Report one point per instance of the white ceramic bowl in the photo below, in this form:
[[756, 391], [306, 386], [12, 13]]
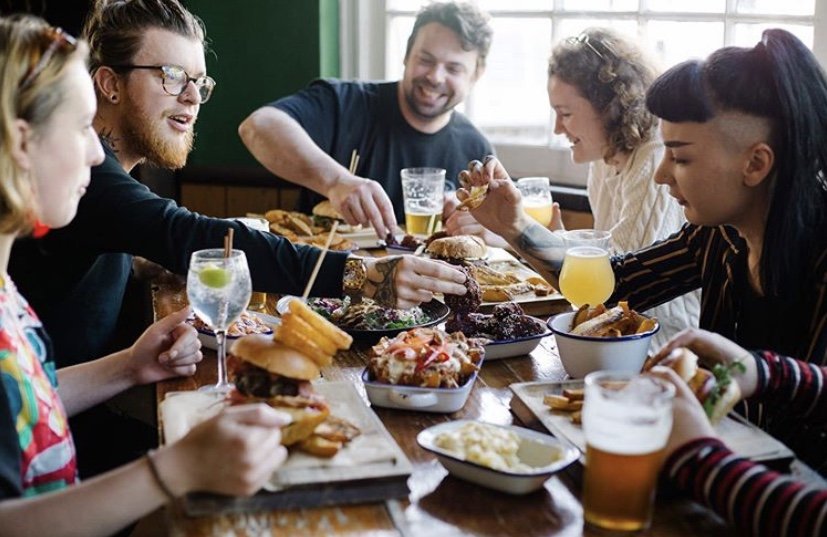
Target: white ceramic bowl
[[583, 354], [544, 453], [207, 337], [440, 400], [509, 348]]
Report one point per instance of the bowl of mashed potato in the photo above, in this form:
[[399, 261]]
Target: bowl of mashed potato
[[501, 457]]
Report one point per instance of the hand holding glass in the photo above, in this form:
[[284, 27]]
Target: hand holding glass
[[627, 419], [536, 198], [423, 192], [218, 289]]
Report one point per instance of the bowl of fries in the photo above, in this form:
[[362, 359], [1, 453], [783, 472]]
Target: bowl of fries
[[598, 339]]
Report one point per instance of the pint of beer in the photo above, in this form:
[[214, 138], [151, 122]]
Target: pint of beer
[[626, 420]]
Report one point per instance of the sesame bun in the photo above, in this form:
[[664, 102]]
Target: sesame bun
[[325, 209], [458, 247], [262, 351]]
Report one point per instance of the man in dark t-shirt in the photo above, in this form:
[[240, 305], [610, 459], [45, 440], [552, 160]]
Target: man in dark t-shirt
[[308, 138]]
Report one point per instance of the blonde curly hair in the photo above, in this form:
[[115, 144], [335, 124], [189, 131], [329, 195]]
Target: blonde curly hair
[[33, 58], [613, 74]]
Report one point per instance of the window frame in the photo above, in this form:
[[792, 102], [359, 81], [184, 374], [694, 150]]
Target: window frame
[[363, 38]]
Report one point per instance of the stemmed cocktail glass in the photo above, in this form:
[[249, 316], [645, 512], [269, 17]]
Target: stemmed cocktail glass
[[218, 289]]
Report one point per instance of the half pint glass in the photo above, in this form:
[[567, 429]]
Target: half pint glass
[[626, 420]]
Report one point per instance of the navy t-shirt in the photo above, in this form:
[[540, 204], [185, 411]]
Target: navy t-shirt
[[343, 116]]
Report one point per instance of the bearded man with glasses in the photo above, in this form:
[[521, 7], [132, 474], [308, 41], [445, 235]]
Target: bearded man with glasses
[[149, 71]]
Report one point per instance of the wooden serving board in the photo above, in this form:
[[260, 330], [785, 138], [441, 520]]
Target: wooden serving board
[[371, 467], [502, 260], [741, 436]]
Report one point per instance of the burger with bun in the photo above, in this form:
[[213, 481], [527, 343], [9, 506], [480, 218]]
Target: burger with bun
[[324, 214], [458, 249], [267, 371], [716, 390]]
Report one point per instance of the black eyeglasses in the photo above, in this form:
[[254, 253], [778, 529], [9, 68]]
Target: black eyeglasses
[[175, 79], [57, 39]]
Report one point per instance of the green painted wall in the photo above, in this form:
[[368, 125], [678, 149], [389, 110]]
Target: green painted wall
[[260, 50]]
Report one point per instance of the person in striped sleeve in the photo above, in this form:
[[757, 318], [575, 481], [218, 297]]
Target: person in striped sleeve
[[754, 499], [746, 153]]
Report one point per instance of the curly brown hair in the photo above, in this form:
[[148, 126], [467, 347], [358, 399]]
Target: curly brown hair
[[613, 74]]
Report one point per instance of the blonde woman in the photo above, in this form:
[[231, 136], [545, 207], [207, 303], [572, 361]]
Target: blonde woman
[[48, 145]]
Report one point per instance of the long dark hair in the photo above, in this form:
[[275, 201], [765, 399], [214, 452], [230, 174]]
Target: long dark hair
[[779, 79]]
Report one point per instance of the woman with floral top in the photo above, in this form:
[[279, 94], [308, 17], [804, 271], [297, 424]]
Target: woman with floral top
[[47, 146]]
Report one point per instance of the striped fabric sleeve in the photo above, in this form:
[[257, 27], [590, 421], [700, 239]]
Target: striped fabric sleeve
[[667, 269], [752, 498], [798, 384]]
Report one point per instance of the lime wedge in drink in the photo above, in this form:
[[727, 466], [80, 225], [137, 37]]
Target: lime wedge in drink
[[215, 277]]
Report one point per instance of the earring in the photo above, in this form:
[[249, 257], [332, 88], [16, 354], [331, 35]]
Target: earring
[[39, 229], [114, 97]]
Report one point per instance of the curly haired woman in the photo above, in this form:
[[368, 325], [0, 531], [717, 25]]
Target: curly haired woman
[[597, 86]]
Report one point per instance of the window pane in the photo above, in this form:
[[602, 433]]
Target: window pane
[[399, 28], [747, 35], [777, 7], [510, 100], [600, 5], [570, 27], [404, 5], [691, 6], [676, 41], [511, 5]]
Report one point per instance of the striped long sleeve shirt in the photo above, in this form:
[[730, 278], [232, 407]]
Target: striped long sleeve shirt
[[755, 500], [714, 259]]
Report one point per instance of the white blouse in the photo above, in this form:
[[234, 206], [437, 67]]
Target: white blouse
[[638, 212]]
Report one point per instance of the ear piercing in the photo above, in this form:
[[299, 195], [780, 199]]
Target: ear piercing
[[114, 97]]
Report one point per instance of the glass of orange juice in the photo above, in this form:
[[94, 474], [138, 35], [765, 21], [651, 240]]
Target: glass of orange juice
[[536, 198]]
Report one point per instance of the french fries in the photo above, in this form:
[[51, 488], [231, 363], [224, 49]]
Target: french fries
[[475, 199], [616, 322], [570, 401], [308, 332]]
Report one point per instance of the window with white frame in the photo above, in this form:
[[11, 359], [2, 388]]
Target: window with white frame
[[510, 104]]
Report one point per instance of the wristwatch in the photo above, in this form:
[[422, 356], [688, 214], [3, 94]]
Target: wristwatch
[[355, 276]]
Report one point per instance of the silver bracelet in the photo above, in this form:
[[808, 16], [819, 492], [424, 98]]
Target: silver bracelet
[[153, 468]]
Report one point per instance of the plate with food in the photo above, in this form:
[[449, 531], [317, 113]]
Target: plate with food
[[248, 323], [510, 459], [425, 369], [558, 406], [367, 320], [508, 330]]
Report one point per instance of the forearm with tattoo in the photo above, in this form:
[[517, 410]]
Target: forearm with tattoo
[[543, 249], [383, 282]]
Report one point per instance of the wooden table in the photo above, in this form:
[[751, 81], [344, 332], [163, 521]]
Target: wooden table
[[438, 503]]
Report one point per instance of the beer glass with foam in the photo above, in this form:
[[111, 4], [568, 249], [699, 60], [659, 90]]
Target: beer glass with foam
[[423, 194], [536, 198], [627, 419]]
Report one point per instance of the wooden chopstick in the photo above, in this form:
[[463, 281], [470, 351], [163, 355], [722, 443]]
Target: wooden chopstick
[[319, 261], [228, 243], [354, 162]]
